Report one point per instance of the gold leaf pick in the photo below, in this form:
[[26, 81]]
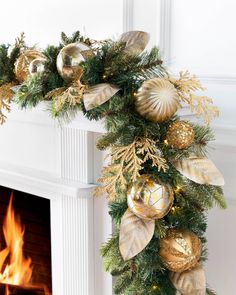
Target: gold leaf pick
[[136, 41], [187, 85], [98, 94], [135, 234], [126, 160], [200, 170], [191, 281]]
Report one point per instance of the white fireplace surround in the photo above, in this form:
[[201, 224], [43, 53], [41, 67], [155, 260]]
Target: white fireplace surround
[[60, 163]]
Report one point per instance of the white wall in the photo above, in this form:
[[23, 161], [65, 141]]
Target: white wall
[[43, 20], [199, 35]]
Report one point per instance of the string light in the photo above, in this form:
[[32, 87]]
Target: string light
[[155, 288], [173, 209], [177, 189], [165, 142], [135, 93], [104, 76]]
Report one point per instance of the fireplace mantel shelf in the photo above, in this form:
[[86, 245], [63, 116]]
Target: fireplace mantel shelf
[[41, 183], [42, 157]]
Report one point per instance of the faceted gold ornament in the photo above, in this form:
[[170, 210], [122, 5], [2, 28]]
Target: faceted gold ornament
[[37, 66], [69, 60], [157, 100], [180, 135], [180, 250], [149, 199], [23, 62]]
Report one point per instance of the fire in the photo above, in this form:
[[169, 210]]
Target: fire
[[18, 269]]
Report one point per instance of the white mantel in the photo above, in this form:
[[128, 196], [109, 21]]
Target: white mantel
[[61, 163]]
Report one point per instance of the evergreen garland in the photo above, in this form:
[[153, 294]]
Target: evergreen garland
[[145, 273]]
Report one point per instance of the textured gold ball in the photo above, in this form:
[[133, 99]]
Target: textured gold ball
[[180, 135], [69, 60], [180, 250], [37, 66], [23, 62], [149, 199], [157, 100]]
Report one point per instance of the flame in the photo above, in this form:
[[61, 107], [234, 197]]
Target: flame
[[18, 271]]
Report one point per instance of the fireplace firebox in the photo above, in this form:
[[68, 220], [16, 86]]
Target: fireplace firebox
[[25, 243]]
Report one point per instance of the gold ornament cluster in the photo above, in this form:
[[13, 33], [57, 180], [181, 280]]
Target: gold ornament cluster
[[159, 99], [23, 62]]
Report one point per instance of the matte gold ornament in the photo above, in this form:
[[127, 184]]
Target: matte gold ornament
[[37, 66], [136, 41], [135, 234], [180, 250], [150, 200], [190, 282], [157, 100], [23, 62], [98, 94], [180, 135], [200, 170], [69, 60]]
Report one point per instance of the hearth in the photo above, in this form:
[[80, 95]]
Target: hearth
[[25, 257]]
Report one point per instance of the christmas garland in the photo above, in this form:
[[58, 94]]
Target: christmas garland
[[159, 181]]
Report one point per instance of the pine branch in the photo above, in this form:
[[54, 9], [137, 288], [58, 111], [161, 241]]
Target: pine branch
[[117, 210], [30, 92]]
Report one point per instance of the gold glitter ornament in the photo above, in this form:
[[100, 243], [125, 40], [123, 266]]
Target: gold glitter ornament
[[37, 66], [157, 100], [150, 200], [69, 60], [23, 62], [180, 250], [180, 135]]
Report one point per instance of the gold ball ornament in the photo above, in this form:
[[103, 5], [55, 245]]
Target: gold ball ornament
[[23, 62], [37, 66], [180, 135], [180, 250], [69, 60], [157, 100], [149, 199]]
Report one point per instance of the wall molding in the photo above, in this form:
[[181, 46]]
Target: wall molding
[[128, 15], [165, 30], [166, 7]]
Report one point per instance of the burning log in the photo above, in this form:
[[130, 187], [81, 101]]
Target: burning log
[[21, 290]]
